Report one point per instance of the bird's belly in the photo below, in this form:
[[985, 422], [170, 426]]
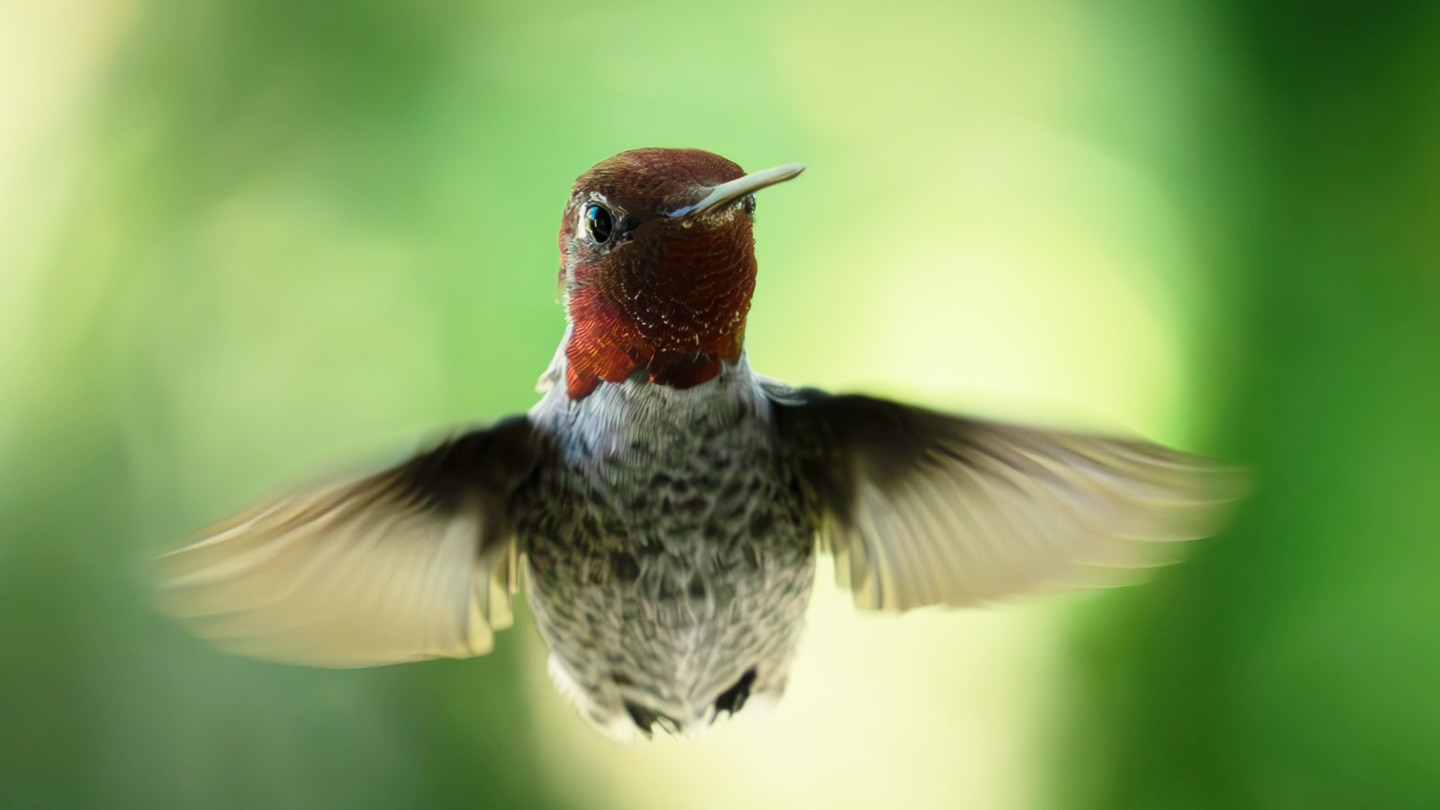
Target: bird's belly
[[681, 627], [673, 589], [617, 584]]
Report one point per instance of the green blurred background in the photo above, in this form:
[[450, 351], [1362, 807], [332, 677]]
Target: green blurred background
[[245, 240]]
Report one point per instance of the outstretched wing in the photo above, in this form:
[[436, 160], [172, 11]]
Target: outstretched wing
[[922, 508], [414, 562]]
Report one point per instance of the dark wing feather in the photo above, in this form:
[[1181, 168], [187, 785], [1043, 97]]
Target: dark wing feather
[[922, 508], [414, 562]]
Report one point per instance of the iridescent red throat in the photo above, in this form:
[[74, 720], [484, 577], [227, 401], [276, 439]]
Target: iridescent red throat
[[675, 315]]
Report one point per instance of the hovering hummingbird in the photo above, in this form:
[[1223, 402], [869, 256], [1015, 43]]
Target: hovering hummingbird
[[668, 503]]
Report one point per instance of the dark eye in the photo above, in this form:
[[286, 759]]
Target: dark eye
[[599, 223], [748, 204]]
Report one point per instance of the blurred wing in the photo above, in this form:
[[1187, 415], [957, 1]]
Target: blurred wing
[[921, 508], [415, 562]]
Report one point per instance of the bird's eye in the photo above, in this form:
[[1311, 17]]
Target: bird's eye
[[599, 223], [748, 204]]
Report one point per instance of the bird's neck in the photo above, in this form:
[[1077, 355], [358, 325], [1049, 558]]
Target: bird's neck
[[676, 329], [637, 419]]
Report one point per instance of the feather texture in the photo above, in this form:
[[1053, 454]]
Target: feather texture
[[415, 562], [921, 508]]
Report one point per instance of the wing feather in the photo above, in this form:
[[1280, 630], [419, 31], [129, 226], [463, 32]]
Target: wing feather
[[411, 563], [921, 508]]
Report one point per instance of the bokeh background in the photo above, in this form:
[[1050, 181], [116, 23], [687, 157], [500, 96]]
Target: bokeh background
[[245, 240]]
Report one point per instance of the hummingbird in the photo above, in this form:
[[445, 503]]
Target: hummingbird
[[667, 504]]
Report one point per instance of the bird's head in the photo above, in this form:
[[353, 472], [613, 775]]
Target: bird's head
[[658, 266]]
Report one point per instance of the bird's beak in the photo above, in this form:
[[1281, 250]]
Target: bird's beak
[[735, 189]]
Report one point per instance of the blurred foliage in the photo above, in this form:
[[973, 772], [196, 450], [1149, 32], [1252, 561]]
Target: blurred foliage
[[239, 241], [1293, 665]]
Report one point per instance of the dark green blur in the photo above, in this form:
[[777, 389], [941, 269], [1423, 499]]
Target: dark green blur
[[269, 237], [1295, 663]]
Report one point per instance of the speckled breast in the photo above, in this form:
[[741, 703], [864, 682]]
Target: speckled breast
[[669, 557]]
